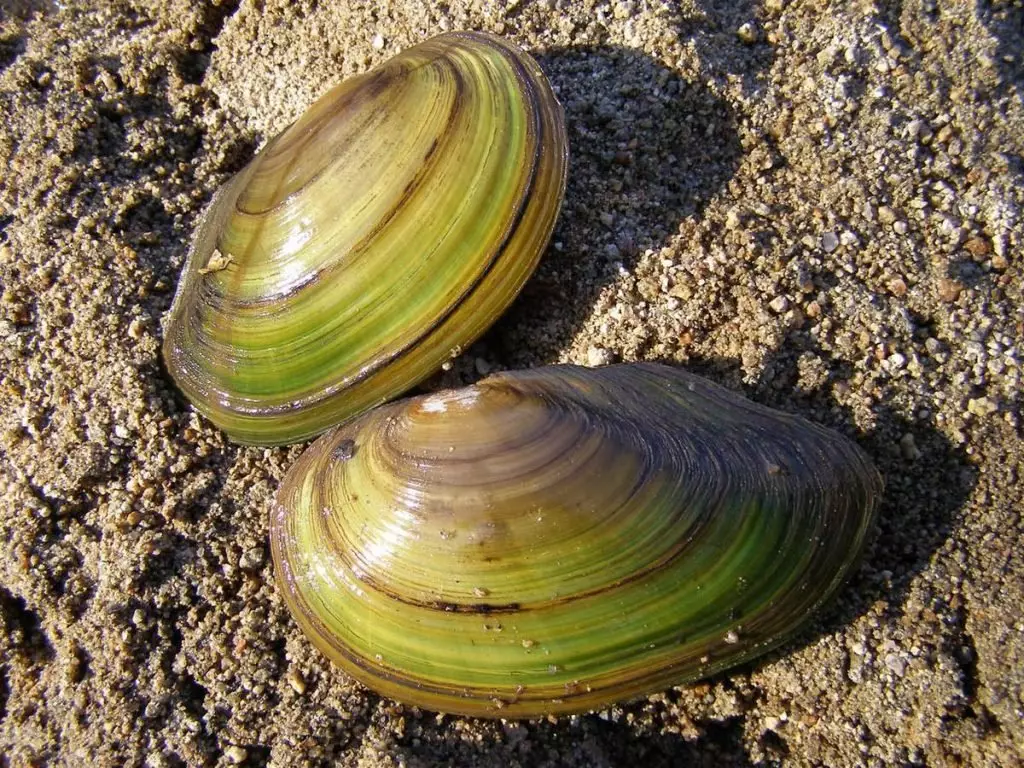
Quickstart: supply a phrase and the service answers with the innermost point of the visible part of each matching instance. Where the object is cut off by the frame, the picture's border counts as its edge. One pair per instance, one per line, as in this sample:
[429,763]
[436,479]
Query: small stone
[681,291]
[897,287]
[747,33]
[908,448]
[899,227]
[296,681]
[606,218]
[104,78]
[598,356]
[949,290]
[896,664]
[829,242]
[982,406]
[136,328]
[731,637]
[236,755]
[895,361]
[251,559]
[482,366]
[978,247]
[217,262]
[377,43]
[779,304]
[934,346]
[886,214]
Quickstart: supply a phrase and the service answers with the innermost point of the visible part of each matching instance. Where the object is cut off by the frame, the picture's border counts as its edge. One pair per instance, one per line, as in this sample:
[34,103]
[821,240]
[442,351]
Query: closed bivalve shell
[559,539]
[372,240]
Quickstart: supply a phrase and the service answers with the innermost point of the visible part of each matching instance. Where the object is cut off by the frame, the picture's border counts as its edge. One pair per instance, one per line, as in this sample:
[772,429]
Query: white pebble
[598,356]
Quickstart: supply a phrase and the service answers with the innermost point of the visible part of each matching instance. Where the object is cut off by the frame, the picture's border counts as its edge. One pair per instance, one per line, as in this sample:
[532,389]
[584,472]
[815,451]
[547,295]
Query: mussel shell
[373,239]
[559,539]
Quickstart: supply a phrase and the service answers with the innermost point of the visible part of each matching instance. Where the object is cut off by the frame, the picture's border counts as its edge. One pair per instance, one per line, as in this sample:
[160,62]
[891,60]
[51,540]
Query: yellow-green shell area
[373,239]
[560,539]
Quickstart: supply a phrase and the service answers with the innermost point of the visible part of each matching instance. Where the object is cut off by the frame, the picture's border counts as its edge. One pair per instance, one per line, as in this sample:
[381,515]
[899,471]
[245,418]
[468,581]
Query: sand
[816,204]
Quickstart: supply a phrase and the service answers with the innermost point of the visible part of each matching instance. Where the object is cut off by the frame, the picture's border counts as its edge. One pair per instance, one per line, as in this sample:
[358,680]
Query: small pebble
[779,304]
[895,361]
[136,327]
[747,33]
[896,664]
[236,755]
[251,559]
[982,406]
[377,43]
[908,448]
[598,356]
[829,242]
[949,290]
[296,681]
[978,248]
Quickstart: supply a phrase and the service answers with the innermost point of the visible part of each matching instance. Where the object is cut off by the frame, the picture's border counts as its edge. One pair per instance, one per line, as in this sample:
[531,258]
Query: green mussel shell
[559,539]
[373,239]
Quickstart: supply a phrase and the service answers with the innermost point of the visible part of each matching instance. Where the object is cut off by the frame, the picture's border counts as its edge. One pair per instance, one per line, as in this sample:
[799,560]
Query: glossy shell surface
[559,539]
[373,239]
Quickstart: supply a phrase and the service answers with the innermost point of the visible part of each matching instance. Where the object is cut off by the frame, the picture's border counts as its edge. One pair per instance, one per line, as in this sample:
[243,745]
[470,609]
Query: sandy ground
[818,204]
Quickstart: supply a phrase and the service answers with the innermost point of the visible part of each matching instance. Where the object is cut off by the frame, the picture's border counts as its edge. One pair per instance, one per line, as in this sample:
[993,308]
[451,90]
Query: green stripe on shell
[559,539]
[382,232]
